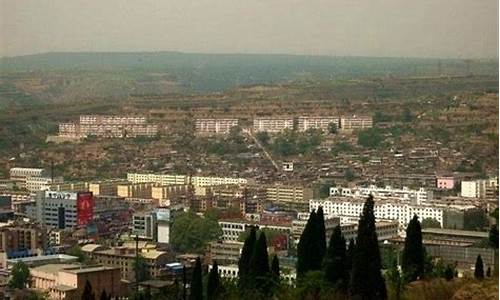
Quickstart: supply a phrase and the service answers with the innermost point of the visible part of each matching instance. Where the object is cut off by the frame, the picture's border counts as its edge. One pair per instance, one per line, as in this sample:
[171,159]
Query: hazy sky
[418,28]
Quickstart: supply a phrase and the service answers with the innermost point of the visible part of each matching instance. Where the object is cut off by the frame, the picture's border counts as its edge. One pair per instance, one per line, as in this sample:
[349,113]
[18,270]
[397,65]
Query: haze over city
[381,28]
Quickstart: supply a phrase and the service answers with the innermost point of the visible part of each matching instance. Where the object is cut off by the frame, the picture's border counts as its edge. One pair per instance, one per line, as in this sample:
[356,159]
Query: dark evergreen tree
[246,256]
[213,284]
[366,277]
[260,274]
[275,270]
[479,270]
[104,296]
[196,291]
[335,260]
[488,272]
[493,236]
[449,273]
[321,232]
[395,279]
[88,294]
[20,275]
[412,261]
[305,246]
[349,256]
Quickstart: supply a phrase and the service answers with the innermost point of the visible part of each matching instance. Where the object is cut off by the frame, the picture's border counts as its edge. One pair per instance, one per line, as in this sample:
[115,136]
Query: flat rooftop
[461,233]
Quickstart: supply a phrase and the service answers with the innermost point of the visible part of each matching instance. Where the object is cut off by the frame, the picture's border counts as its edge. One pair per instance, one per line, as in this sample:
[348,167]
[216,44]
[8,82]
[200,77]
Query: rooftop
[462,233]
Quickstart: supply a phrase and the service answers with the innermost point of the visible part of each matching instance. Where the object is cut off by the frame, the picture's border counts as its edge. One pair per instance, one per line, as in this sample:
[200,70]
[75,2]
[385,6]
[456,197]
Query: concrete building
[299,224]
[35,184]
[145,225]
[272,125]
[21,175]
[21,239]
[135,190]
[445,182]
[166,193]
[290,197]
[166,179]
[108,126]
[64,210]
[401,211]
[416,196]
[482,188]
[323,123]
[224,252]
[123,258]
[385,230]
[232,229]
[214,126]
[67,281]
[106,187]
[356,122]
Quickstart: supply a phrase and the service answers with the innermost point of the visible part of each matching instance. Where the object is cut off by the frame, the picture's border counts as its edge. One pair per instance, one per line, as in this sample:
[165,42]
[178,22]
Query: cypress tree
[448,273]
[246,255]
[366,278]
[349,256]
[103,296]
[479,270]
[88,294]
[488,272]
[275,270]
[259,264]
[196,292]
[412,261]
[321,232]
[493,236]
[305,245]
[213,284]
[335,259]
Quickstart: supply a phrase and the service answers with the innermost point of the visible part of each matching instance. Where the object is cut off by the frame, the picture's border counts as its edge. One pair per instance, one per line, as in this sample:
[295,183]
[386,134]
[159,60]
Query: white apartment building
[165,179]
[20,175]
[272,125]
[356,122]
[231,271]
[479,188]
[323,123]
[34,184]
[117,120]
[108,126]
[384,210]
[232,229]
[214,126]
[417,196]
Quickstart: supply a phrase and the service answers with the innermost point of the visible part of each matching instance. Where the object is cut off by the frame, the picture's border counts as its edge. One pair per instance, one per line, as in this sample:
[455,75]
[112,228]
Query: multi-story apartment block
[224,252]
[299,224]
[135,190]
[166,194]
[107,187]
[356,122]
[445,182]
[64,209]
[108,126]
[214,126]
[480,188]
[385,230]
[166,179]
[323,123]
[417,196]
[35,184]
[21,239]
[272,125]
[290,197]
[232,229]
[124,257]
[21,175]
[385,209]
[67,281]
[145,225]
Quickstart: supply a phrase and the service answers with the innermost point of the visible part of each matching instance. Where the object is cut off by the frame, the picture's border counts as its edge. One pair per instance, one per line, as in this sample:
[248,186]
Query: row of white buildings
[275,125]
[415,196]
[108,126]
[168,179]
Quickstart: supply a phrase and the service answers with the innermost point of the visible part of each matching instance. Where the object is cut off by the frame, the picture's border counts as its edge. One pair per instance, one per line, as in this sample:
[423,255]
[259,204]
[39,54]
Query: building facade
[272,125]
[214,126]
[323,123]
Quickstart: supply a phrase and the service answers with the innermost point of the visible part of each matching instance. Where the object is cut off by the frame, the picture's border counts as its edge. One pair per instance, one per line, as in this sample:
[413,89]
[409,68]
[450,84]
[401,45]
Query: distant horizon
[248,53]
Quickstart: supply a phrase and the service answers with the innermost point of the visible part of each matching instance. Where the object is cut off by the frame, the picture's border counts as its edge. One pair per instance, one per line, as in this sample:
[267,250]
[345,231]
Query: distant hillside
[216,72]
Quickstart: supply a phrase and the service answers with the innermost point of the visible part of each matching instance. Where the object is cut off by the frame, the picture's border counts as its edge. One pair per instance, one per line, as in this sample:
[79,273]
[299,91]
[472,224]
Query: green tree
[263,137]
[335,260]
[413,254]
[260,273]
[349,175]
[479,269]
[245,257]
[449,273]
[395,280]
[349,256]
[475,219]
[140,267]
[196,287]
[332,128]
[430,223]
[305,247]
[320,235]
[88,294]
[366,278]
[493,236]
[213,284]
[370,138]
[190,232]
[20,276]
